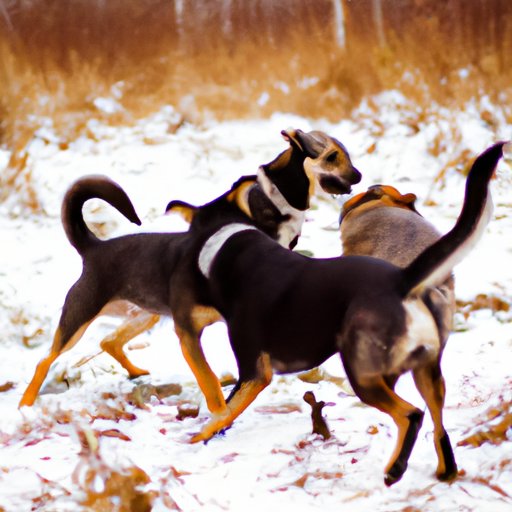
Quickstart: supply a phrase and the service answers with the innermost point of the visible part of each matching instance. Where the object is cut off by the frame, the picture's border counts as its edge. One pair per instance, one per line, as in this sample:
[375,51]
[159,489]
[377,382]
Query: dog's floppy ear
[313,144]
[396,197]
[409,200]
[292,136]
[239,194]
[187,211]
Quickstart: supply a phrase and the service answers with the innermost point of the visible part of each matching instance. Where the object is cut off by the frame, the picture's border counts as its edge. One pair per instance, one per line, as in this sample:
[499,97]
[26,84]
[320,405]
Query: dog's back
[385,224]
[393,234]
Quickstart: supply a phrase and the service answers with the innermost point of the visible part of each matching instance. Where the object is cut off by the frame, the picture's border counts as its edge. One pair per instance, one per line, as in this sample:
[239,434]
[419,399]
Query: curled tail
[435,263]
[91,187]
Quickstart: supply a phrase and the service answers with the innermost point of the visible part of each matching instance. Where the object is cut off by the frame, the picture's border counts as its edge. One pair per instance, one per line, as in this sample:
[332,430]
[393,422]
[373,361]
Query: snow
[269,459]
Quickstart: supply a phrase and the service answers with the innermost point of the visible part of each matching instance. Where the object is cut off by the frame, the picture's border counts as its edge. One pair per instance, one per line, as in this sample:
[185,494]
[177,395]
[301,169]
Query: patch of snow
[267,459]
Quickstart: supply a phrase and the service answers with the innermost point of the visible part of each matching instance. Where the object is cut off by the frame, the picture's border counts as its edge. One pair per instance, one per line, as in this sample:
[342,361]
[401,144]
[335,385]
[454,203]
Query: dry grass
[233,59]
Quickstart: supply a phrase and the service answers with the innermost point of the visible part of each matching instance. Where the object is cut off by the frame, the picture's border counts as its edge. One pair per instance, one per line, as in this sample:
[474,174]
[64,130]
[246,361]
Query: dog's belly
[281,367]
[293,362]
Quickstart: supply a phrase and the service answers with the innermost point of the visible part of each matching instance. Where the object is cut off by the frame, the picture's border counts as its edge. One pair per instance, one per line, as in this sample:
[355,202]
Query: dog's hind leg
[246,391]
[430,383]
[30,394]
[375,392]
[77,315]
[113,343]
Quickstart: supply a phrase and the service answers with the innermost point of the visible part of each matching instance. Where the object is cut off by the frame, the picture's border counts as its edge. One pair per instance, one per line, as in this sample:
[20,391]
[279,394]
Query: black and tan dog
[286,312]
[137,273]
[384,223]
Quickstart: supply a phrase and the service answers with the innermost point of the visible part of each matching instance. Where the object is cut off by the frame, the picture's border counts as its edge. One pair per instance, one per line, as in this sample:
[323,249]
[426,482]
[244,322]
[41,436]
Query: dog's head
[312,157]
[327,161]
[377,196]
[244,203]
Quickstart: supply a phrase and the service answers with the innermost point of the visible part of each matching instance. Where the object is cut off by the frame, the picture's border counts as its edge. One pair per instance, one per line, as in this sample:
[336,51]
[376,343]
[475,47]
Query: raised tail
[92,187]
[435,263]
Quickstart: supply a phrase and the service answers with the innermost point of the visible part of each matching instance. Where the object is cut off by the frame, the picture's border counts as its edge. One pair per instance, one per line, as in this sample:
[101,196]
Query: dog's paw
[447,476]
[395,473]
[214,427]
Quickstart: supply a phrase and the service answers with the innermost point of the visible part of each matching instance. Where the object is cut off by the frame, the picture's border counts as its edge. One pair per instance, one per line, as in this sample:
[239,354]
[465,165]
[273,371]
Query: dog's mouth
[335,184]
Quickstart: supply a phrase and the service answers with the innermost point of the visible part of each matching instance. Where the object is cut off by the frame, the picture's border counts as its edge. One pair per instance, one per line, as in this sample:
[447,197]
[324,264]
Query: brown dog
[384,223]
[139,269]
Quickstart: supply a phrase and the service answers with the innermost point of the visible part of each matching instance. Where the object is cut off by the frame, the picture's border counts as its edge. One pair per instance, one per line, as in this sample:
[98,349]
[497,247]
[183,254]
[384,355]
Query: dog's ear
[313,143]
[293,137]
[187,211]
[409,198]
[239,194]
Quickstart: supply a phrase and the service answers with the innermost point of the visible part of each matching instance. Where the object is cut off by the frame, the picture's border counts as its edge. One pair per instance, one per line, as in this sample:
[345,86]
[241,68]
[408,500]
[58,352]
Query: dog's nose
[356,176]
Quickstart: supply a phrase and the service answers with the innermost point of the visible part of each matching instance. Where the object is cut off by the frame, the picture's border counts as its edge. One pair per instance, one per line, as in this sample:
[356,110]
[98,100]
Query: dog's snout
[356,176]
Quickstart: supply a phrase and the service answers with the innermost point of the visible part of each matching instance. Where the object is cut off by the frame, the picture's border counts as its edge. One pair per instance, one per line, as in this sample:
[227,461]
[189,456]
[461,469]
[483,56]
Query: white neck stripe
[292,227]
[214,244]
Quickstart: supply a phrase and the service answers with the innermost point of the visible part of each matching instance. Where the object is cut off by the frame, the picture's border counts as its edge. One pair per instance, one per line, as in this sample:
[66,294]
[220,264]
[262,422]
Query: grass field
[232,59]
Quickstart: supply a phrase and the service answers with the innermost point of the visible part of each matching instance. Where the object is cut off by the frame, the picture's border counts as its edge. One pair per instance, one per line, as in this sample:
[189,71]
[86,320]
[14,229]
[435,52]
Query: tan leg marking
[433,392]
[30,394]
[190,343]
[113,343]
[375,392]
[240,401]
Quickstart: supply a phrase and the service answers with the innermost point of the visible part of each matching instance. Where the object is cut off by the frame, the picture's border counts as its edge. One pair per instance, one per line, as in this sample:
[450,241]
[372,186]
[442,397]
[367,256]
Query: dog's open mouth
[333,184]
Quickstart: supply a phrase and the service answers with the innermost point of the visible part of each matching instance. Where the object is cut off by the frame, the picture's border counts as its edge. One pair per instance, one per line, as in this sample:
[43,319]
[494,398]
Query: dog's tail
[92,187]
[435,263]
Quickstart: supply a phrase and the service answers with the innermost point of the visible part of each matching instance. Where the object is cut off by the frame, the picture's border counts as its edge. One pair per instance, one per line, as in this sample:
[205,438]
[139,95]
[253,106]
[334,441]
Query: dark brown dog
[140,269]
[289,313]
[384,223]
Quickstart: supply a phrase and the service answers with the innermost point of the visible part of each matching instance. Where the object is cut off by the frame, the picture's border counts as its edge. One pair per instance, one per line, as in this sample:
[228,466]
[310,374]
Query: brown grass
[209,59]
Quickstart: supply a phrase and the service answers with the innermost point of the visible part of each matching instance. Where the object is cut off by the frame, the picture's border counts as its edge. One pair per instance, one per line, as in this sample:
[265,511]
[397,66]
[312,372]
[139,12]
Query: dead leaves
[187,410]
[7,386]
[483,301]
[284,408]
[142,393]
[105,487]
[495,433]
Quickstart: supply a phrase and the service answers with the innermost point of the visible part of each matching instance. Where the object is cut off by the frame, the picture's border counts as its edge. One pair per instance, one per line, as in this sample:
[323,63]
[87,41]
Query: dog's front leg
[189,330]
[246,392]
[206,378]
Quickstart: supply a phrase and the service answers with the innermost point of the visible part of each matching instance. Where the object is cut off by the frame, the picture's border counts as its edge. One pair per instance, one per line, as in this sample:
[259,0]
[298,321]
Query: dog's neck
[214,244]
[290,229]
[287,173]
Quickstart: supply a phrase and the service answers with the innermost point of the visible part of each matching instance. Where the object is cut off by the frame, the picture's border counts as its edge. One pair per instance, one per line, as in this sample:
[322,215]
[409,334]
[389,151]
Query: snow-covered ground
[88,431]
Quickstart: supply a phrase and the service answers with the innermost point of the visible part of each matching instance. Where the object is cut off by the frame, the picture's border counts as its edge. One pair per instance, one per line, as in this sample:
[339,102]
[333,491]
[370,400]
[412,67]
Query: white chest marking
[290,229]
[214,244]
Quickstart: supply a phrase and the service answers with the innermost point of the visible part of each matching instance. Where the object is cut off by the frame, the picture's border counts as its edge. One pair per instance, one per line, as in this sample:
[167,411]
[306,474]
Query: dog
[135,273]
[384,223]
[286,312]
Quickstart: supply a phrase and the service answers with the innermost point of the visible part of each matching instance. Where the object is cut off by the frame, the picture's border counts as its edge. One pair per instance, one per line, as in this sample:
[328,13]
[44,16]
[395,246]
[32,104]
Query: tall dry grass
[232,58]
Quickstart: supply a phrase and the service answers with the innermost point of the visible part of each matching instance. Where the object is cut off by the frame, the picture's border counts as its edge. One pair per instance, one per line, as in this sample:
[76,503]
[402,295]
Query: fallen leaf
[230,457]
[286,408]
[113,432]
[7,386]
[187,411]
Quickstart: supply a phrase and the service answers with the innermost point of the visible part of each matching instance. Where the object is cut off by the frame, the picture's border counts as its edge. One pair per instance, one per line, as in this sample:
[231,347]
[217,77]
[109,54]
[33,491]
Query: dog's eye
[331,157]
